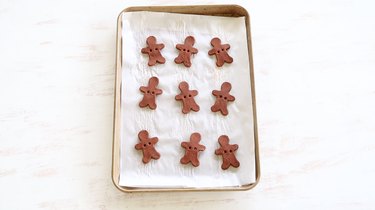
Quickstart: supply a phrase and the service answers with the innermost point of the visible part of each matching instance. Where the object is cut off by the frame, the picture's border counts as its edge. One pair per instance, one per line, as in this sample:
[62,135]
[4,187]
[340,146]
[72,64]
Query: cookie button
[147,145]
[222,98]
[192,148]
[186,50]
[153,51]
[227,150]
[220,51]
[149,93]
[187,98]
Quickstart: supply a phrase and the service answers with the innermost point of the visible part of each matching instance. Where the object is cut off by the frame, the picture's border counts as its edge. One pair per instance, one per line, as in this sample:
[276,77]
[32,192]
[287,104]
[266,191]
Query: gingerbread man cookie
[191,150]
[186,50]
[220,51]
[147,144]
[153,51]
[227,150]
[222,98]
[149,93]
[187,98]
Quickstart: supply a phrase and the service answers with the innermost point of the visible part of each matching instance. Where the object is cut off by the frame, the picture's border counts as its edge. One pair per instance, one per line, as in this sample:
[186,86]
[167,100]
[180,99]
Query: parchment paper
[167,122]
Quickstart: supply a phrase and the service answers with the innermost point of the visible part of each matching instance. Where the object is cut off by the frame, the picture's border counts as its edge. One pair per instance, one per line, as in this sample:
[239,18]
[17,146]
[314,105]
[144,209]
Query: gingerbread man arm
[185,145]
[194,50]
[230,98]
[234,147]
[194,92]
[201,147]
[145,50]
[138,146]
[179,96]
[143,89]
[159,46]
[180,46]
[219,151]
[158,91]
[212,52]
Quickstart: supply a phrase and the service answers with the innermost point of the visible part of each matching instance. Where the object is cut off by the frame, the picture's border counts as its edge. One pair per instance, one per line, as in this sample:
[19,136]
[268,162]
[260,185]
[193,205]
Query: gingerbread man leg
[194,106]
[235,163]
[185,159]
[146,157]
[154,154]
[195,161]
[225,165]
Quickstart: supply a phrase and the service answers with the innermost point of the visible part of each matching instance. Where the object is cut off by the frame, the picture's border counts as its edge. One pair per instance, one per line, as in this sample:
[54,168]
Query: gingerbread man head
[220,51]
[147,144]
[153,51]
[227,150]
[186,50]
[222,98]
[187,98]
[191,150]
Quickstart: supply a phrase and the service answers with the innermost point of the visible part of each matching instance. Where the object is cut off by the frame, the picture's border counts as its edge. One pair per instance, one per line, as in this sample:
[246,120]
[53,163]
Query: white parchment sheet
[167,122]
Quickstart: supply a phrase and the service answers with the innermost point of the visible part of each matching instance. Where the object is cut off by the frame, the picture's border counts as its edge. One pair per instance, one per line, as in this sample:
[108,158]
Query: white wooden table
[315,84]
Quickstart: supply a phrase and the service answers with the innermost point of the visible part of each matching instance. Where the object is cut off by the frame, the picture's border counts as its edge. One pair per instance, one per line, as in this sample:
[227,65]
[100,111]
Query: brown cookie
[147,144]
[186,50]
[227,150]
[191,150]
[220,51]
[222,98]
[149,93]
[187,98]
[153,51]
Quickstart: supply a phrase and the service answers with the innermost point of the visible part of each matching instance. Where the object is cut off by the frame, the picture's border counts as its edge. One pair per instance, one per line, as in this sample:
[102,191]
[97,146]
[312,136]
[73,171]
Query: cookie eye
[188,50]
[220,96]
[222,49]
[189,147]
[225,98]
[225,151]
[144,145]
[230,151]
[149,143]
[189,96]
[150,50]
[218,51]
[184,50]
[153,92]
[184,96]
[156,49]
[148,91]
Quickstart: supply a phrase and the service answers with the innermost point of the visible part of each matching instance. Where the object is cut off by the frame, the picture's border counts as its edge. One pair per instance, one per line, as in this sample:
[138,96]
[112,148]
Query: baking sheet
[167,122]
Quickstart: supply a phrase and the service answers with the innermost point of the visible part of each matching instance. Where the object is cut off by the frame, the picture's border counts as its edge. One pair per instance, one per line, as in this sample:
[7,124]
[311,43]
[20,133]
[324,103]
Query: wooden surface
[314,73]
